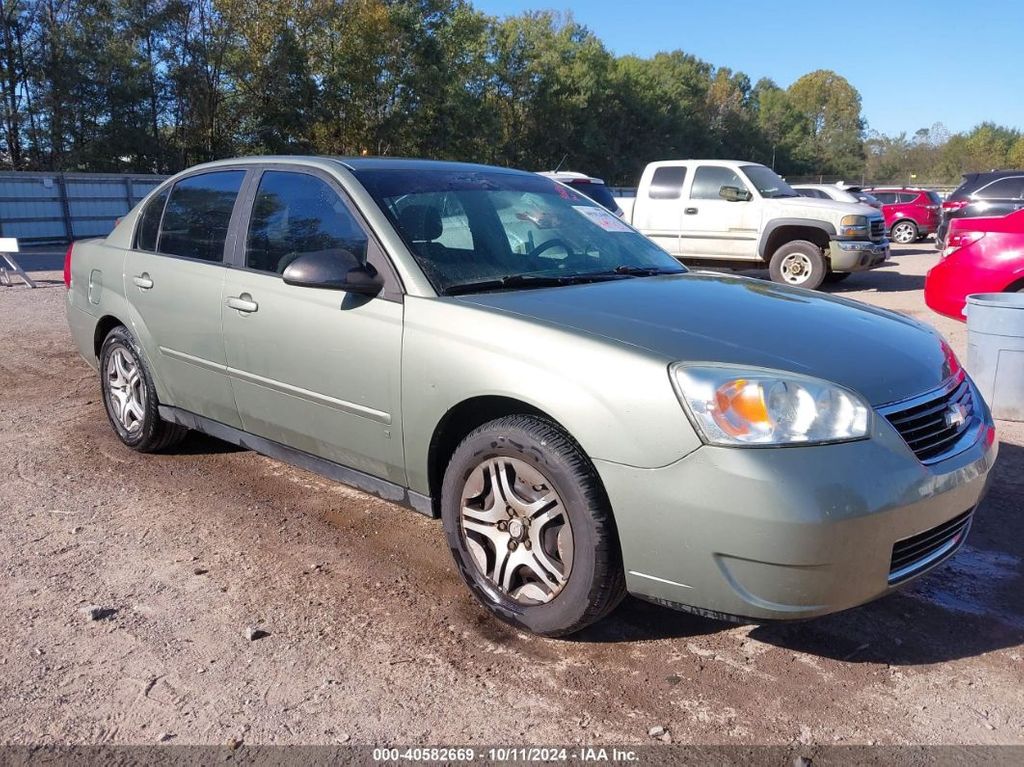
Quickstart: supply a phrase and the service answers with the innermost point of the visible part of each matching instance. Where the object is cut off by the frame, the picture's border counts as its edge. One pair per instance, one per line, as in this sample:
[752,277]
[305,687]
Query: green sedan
[586,417]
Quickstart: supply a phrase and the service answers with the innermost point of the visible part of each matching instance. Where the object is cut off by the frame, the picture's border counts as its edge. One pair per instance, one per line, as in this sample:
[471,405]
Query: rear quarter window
[1010,188]
[667,183]
[149,222]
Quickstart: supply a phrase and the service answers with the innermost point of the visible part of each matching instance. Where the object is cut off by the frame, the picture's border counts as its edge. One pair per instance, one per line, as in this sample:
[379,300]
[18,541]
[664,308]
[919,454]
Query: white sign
[8,244]
[603,218]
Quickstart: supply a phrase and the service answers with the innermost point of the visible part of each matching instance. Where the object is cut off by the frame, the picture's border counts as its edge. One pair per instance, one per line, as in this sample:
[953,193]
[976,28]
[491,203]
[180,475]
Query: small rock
[97,612]
[234,743]
[344,737]
[252,633]
[200,571]
[673,679]
[802,761]
[163,737]
[657,731]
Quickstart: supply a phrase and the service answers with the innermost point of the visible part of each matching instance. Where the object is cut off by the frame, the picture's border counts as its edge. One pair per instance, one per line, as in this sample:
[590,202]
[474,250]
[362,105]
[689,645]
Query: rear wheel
[129,396]
[798,263]
[904,232]
[530,527]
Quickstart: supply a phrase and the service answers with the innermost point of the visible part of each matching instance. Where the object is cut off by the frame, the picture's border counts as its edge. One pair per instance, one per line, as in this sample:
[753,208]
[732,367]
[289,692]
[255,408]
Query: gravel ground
[370,636]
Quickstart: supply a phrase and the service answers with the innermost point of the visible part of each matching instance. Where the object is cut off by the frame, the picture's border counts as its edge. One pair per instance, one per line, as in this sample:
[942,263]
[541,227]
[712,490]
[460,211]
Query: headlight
[853,226]
[736,406]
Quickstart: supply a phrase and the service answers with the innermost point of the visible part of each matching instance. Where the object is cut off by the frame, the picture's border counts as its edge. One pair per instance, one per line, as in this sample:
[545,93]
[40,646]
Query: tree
[830,108]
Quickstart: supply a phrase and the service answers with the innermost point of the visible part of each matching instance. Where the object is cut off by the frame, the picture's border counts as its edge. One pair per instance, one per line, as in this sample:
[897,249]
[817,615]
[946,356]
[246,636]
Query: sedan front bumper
[794,532]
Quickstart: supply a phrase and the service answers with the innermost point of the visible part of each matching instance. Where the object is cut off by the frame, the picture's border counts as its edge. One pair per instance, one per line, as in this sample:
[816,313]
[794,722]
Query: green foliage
[158,85]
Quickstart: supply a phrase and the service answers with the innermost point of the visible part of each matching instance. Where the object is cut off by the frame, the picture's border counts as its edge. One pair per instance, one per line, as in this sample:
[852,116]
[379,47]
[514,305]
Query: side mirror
[333,270]
[734,194]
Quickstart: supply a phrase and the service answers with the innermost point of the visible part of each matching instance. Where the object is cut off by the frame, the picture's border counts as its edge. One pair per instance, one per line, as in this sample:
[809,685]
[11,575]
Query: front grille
[877,229]
[919,552]
[932,425]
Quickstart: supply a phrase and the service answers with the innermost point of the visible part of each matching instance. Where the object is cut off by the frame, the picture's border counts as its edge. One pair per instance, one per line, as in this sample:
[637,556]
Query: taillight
[957,240]
[954,204]
[67,266]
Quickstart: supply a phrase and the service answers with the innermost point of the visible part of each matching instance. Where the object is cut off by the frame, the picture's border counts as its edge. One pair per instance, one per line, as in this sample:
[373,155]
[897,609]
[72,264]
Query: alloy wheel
[904,232]
[126,392]
[517,530]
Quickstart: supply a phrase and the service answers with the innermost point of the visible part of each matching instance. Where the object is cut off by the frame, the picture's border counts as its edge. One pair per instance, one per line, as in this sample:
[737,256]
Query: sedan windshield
[768,183]
[473,231]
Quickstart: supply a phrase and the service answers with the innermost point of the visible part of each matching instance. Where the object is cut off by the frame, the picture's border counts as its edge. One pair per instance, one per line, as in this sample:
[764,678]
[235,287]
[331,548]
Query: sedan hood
[703,317]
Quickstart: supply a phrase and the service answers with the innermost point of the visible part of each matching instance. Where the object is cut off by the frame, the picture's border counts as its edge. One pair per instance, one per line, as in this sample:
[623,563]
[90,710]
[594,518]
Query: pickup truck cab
[743,215]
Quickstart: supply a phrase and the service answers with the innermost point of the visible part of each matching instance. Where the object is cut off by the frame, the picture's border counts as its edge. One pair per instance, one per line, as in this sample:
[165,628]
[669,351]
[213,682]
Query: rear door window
[195,221]
[667,183]
[886,198]
[297,213]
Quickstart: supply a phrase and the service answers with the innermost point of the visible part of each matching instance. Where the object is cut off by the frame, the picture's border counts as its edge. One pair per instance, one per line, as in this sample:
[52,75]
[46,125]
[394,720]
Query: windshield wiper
[512,281]
[643,271]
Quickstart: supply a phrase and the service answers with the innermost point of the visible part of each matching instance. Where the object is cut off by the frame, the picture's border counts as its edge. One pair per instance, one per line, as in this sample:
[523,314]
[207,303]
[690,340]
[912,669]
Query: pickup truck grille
[919,552]
[877,229]
[931,425]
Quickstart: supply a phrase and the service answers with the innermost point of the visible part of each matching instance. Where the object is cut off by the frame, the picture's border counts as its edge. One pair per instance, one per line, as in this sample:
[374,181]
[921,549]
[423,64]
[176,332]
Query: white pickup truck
[743,215]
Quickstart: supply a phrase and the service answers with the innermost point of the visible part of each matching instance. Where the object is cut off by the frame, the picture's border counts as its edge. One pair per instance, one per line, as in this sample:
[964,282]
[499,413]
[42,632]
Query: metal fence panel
[45,208]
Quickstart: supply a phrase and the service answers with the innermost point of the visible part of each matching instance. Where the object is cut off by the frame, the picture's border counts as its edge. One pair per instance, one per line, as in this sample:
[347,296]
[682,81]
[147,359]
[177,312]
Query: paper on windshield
[603,218]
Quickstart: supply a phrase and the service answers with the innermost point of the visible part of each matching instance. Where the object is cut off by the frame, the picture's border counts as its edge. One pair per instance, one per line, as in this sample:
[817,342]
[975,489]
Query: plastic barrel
[995,351]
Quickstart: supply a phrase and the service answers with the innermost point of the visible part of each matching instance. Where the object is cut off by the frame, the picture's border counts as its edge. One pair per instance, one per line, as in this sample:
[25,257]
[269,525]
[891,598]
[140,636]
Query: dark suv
[910,214]
[995,193]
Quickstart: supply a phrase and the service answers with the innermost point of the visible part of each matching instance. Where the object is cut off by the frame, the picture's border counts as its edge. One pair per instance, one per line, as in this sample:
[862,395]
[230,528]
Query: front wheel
[904,232]
[798,263]
[530,528]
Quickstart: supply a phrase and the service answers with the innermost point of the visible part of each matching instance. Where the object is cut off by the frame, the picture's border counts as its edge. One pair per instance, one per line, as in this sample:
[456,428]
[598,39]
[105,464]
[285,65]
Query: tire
[834,277]
[799,263]
[129,396]
[904,232]
[519,493]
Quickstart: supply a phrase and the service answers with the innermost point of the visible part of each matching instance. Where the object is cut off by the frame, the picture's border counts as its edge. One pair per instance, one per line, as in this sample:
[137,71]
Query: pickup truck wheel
[530,527]
[129,396]
[904,232]
[799,263]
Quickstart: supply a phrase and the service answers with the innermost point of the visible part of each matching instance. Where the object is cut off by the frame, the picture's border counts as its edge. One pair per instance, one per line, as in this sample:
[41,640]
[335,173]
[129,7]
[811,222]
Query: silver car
[587,417]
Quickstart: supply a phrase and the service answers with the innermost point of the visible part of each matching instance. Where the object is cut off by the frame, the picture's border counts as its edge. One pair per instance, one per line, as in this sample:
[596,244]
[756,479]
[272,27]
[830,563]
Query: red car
[910,214]
[982,255]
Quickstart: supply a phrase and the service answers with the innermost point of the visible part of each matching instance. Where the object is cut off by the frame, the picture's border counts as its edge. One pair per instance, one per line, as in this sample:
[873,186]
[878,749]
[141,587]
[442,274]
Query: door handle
[243,303]
[689,211]
[142,281]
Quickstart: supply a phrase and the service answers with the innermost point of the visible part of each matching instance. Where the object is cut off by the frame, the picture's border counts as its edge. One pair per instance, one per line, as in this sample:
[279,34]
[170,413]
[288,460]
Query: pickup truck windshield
[767,182]
[488,230]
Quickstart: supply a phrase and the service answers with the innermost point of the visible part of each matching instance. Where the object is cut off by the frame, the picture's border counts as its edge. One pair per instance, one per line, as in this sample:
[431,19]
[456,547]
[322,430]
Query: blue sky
[914,62]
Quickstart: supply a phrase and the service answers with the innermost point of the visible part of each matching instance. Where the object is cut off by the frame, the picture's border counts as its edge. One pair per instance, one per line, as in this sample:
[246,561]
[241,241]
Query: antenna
[559,167]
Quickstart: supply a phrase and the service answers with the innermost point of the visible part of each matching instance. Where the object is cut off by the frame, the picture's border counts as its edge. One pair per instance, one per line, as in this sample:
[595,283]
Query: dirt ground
[373,639]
